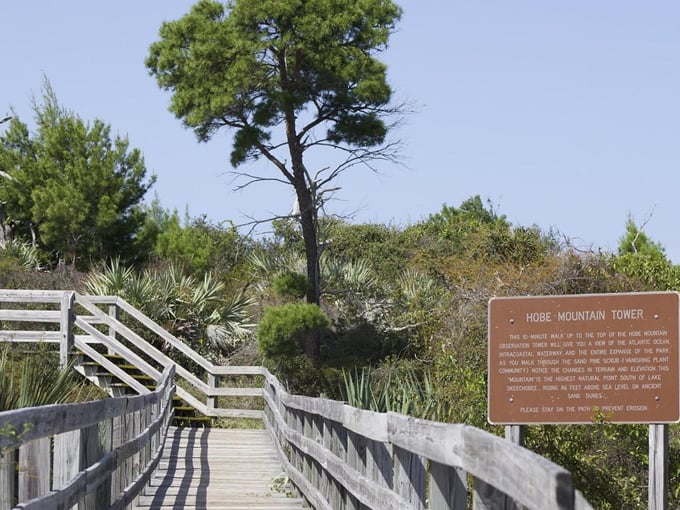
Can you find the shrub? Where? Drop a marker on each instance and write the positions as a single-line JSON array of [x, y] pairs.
[[291, 284], [285, 330]]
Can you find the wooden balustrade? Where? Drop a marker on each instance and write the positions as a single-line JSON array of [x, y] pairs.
[[75, 321], [341, 457], [95, 455]]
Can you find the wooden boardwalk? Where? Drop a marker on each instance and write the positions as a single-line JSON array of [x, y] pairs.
[[219, 469]]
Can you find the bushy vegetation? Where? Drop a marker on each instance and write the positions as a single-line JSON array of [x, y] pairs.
[[29, 379], [402, 323]]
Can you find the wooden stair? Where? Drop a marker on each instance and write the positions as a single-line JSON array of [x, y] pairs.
[[185, 414]]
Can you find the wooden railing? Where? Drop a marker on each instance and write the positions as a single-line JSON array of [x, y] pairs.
[[88, 323], [338, 456], [95, 455], [341, 457]]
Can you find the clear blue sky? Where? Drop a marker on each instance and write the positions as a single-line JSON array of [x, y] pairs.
[[564, 114]]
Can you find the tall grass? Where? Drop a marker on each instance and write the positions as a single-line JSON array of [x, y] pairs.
[[34, 379], [405, 391]]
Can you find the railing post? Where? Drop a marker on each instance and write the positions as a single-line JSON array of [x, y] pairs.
[[212, 384], [410, 477], [66, 328], [114, 313], [8, 465], [34, 469], [66, 456]]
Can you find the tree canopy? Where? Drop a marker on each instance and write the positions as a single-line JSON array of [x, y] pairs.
[[69, 187], [286, 76]]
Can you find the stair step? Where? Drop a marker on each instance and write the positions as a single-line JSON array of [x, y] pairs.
[[185, 414]]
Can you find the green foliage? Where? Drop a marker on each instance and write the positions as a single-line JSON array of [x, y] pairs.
[[291, 284], [194, 243], [609, 463], [199, 312], [35, 380], [286, 77], [248, 65], [396, 386], [72, 188], [24, 254], [456, 224], [478, 232], [284, 331], [645, 261], [385, 247]]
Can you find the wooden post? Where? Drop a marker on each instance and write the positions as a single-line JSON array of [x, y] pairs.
[[117, 477], [488, 497], [66, 458], [212, 383], [353, 461], [409, 477], [66, 328], [8, 464], [448, 487], [658, 467], [34, 469], [113, 313]]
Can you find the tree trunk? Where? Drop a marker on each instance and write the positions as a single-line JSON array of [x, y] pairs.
[[309, 235], [308, 215]]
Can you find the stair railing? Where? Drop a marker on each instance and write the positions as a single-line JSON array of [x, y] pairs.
[[84, 322], [122, 340]]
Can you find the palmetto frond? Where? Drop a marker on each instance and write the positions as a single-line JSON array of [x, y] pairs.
[[111, 281]]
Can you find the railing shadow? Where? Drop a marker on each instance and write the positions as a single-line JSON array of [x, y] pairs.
[[186, 466]]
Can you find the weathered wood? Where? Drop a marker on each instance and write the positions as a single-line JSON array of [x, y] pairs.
[[164, 335], [237, 370], [52, 316], [658, 467], [67, 456], [66, 328], [132, 337], [34, 469], [84, 458], [448, 488], [409, 477], [112, 368], [30, 336], [8, 463], [206, 468], [30, 296]]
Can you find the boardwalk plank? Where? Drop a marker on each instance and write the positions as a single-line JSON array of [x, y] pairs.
[[218, 469]]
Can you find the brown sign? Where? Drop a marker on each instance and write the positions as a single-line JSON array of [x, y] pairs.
[[584, 358]]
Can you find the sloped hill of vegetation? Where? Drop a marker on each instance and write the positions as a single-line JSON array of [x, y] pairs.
[[403, 321]]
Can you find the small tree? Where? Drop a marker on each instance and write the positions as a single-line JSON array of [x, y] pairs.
[[307, 68], [71, 189], [288, 330]]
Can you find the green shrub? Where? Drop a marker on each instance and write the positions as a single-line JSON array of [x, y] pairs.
[[291, 284], [286, 330]]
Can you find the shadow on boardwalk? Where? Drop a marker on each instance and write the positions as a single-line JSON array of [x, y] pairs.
[[218, 469]]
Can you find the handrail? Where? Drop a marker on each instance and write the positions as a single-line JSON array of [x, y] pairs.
[[136, 347], [342, 457], [104, 451], [201, 391]]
